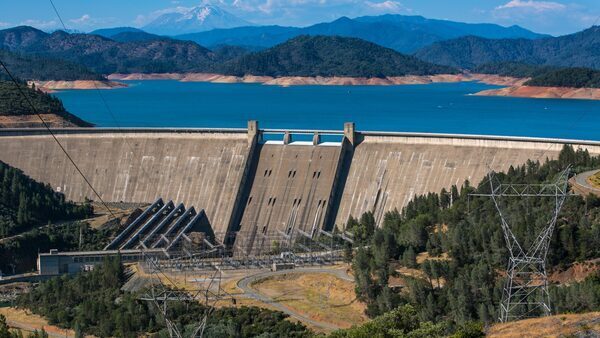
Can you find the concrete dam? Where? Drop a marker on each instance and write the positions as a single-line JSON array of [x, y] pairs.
[[257, 180]]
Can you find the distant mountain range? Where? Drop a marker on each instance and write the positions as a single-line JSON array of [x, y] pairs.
[[402, 33], [235, 51], [301, 56], [330, 56], [109, 32], [581, 49], [197, 19], [106, 56], [127, 34]]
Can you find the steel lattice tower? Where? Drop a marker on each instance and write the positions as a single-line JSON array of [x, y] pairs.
[[525, 293], [163, 291]]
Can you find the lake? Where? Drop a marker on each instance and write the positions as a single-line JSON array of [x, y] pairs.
[[436, 108]]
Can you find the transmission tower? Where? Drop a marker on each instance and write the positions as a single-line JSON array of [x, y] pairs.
[[164, 292], [525, 293]]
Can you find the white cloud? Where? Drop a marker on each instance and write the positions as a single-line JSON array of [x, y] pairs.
[[538, 6], [267, 7], [4, 24], [40, 24], [143, 19], [386, 6], [544, 16], [84, 19]]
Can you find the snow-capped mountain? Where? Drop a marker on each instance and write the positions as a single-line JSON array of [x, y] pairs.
[[196, 19]]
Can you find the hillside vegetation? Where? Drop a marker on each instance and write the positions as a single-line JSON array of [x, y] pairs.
[[330, 56], [12, 103], [574, 50], [34, 67], [568, 77], [466, 244], [544, 76], [25, 203], [28, 210], [513, 69]]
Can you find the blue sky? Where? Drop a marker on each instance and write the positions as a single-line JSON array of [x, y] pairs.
[[552, 17]]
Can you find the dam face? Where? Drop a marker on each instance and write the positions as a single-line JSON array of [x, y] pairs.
[[250, 186], [201, 169], [387, 171]]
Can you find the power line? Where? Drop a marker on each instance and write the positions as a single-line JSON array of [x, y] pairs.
[[59, 18], [14, 80], [99, 92]]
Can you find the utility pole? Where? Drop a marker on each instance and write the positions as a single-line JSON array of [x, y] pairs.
[[525, 293]]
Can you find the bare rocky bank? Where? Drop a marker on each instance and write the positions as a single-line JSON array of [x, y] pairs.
[[50, 86], [296, 80], [545, 92]]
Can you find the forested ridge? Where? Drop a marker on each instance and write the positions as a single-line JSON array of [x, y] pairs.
[[514, 69], [544, 76], [12, 103], [466, 243], [105, 56], [35, 67], [574, 50], [330, 56], [568, 77]]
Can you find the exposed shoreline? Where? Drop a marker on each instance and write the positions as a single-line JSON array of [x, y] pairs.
[[295, 80], [322, 80], [51, 86], [544, 92]]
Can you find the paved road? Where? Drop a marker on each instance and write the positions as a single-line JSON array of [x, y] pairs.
[[250, 292], [582, 180]]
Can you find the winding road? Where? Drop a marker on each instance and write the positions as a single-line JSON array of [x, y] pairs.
[[246, 282], [582, 181]]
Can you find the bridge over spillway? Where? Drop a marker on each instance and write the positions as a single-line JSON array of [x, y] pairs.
[[258, 180]]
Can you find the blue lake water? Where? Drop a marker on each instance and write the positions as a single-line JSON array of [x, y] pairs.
[[439, 108]]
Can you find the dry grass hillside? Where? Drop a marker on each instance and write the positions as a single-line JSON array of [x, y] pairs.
[[595, 180], [566, 325]]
